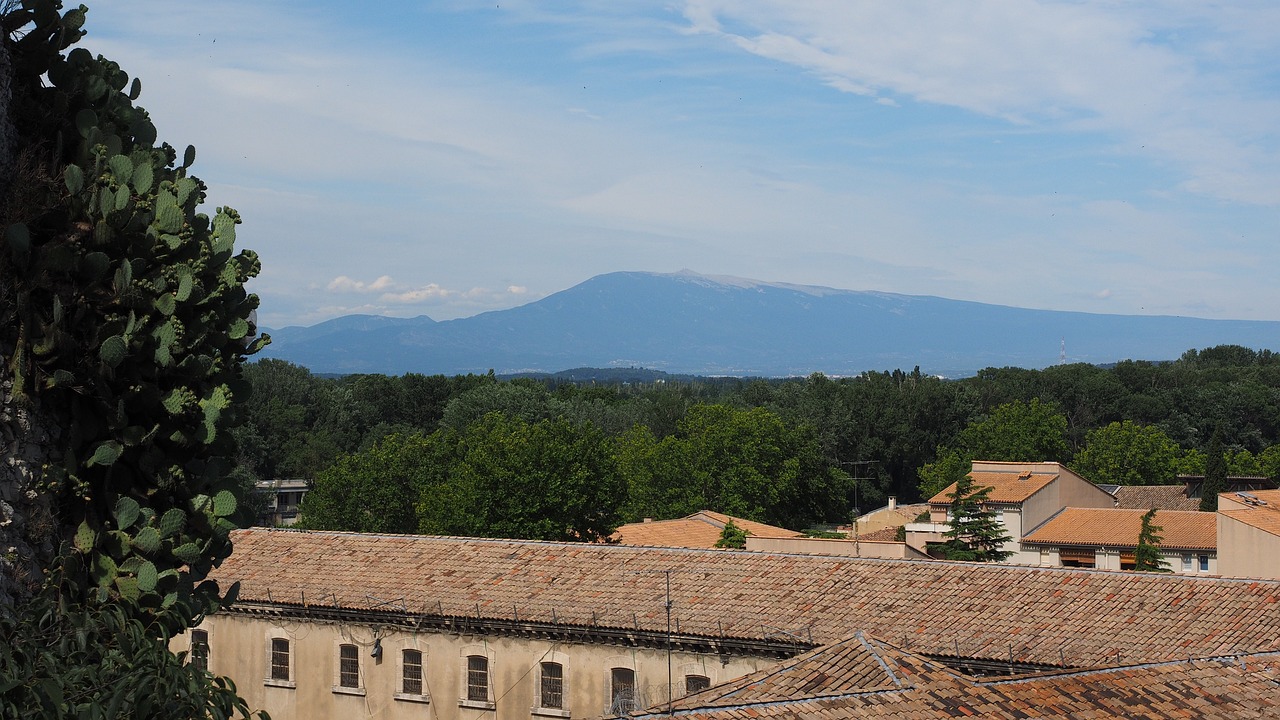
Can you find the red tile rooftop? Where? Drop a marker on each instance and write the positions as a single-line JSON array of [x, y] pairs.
[[865, 678], [699, 530], [1006, 487], [1161, 497], [1115, 527], [1032, 615]]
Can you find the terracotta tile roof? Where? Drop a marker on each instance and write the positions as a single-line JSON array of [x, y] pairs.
[[1160, 497], [1006, 487], [1115, 527], [1036, 615], [858, 664], [699, 530], [843, 682], [1264, 517]]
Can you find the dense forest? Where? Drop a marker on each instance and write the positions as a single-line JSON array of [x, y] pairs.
[[563, 457]]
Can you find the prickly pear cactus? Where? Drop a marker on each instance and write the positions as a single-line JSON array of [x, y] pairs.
[[123, 314]]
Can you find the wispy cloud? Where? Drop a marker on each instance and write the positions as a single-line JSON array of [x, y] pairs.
[[1153, 74]]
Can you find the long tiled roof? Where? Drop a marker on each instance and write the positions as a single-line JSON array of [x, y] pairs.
[[1115, 527], [699, 530], [1034, 615], [865, 678], [1006, 487], [1160, 497]]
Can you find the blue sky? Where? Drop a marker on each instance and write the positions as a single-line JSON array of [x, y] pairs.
[[448, 158]]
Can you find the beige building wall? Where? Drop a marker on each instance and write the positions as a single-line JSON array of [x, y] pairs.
[[240, 648], [1068, 490], [1247, 551], [832, 546]]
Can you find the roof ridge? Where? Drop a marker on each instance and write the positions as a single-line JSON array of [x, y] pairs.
[[721, 552]]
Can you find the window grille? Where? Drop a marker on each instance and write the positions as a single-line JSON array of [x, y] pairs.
[[348, 666], [411, 680], [696, 683], [279, 659], [478, 678], [200, 649], [622, 691], [552, 685]]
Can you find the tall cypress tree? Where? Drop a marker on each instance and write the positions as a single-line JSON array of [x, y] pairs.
[[1215, 473], [1147, 556], [975, 533]]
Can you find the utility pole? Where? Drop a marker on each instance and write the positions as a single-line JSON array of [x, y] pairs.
[[670, 688], [857, 509], [670, 680]]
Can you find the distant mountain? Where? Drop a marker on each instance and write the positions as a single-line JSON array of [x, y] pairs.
[[708, 325]]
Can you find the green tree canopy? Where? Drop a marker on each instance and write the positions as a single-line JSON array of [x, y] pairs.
[[1013, 432], [747, 463], [505, 477], [1126, 453], [375, 490]]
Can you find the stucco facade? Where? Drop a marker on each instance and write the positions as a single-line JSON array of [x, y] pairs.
[[834, 546], [308, 678], [1249, 534]]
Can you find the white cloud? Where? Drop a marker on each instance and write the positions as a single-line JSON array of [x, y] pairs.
[[430, 292], [342, 283]]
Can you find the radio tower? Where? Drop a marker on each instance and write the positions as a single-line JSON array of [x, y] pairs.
[[1062, 353]]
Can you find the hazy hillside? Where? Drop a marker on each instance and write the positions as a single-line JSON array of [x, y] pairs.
[[690, 323]]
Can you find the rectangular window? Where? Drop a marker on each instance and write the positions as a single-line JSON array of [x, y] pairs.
[[478, 678], [622, 691], [696, 684], [411, 672], [1204, 563], [279, 659], [1186, 563], [552, 695], [348, 666], [1077, 557], [200, 649]]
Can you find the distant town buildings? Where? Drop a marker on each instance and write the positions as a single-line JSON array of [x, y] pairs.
[[349, 625]]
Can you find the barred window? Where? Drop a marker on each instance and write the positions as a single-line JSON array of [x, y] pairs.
[[696, 683], [478, 678], [622, 691], [411, 672], [552, 685], [348, 666], [200, 649], [279, 659]]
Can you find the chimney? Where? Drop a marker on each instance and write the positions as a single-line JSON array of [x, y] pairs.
[[893, 502]]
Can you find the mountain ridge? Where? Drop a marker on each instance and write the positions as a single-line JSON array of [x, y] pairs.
[[691, 323]]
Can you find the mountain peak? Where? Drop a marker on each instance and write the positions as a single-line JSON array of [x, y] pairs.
[[692, 323]]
